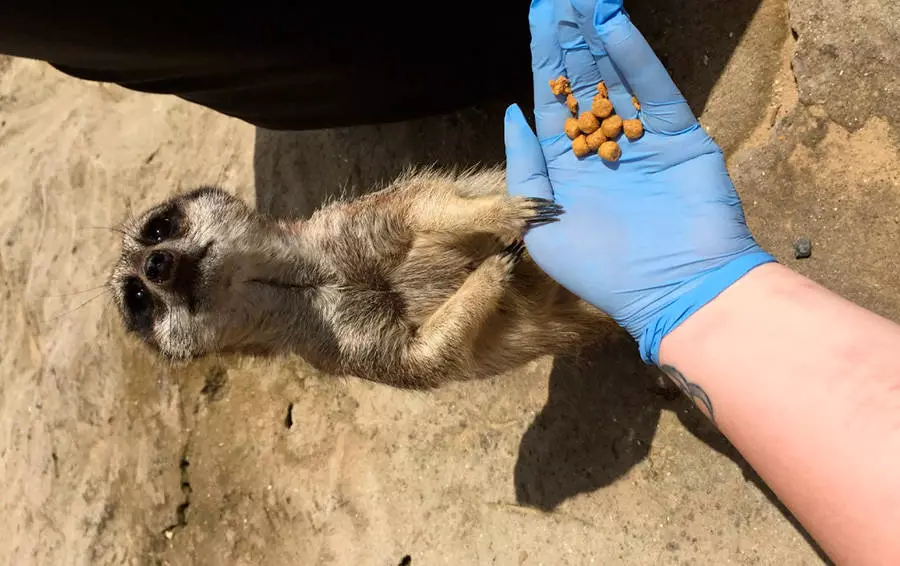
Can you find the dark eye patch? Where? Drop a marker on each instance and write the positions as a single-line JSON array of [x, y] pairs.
[[162, 226], [138, 303]]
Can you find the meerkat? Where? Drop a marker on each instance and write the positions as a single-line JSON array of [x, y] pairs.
[[421, 283]]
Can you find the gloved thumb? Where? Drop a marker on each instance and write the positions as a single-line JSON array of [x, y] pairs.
[[526, 169]]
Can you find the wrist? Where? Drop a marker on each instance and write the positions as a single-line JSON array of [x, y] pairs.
[[749, 296], [704, 289]]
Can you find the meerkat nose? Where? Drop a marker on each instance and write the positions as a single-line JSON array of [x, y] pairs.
[[159, 266]]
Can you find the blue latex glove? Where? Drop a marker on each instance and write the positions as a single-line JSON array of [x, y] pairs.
[[657, 235]]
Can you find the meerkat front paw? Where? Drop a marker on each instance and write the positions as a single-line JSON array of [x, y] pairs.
[[525, 213], [544, 211], [501, 265], [512, 254]]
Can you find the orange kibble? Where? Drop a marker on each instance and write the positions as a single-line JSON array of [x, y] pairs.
[[612, 126], [572, 103], [580, 146], [601, 107], [637, 104], [601, 88], [560, 86], [572, 129], [610, 151], [588, 123], [634, 129], [595, 140]]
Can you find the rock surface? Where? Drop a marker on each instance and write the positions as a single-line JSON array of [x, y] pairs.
[[110, 457]]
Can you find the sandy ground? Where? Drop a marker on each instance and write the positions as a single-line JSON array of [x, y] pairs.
[[110, 457]]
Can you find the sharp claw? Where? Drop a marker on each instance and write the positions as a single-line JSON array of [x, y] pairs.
[[549, 206], [515, 249], [539, 199], [545, 214], [554, 209], [535, 222]]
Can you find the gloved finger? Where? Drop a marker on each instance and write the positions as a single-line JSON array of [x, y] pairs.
[[606, 9], [579, 62], [526, 169], [547, 63], [619, 92], [663, 107]]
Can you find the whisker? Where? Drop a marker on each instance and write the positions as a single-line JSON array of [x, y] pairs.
[[82, 305], [73, 293], [107, 228], [169, 323]]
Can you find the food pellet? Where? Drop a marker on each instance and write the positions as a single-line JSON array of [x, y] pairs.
[[580, 146], [588, 123], [612, 126], [572, 129], [595, 140], [601, 107], [610, 151], [560, 85], [634, 129], [597, 129]]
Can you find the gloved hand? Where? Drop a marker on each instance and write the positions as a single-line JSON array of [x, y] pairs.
[[654, 237]]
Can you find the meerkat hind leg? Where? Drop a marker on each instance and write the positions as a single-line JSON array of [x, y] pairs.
[[447, 335]]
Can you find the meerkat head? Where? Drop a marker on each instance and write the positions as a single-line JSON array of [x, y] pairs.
[[179, 283]]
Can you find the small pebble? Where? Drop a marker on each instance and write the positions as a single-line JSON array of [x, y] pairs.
[[802, 248]]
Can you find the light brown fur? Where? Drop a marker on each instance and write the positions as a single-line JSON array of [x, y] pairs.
[[412, 286]]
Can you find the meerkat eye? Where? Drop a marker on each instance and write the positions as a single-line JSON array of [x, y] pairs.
[[138, 299], [161, 227]]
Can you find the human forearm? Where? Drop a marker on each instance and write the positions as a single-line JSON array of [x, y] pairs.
[[805, 385]]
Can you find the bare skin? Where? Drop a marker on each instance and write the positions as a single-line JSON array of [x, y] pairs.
[[805, 384]]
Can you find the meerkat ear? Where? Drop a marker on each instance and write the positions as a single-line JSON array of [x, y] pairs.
[[203, 191]]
